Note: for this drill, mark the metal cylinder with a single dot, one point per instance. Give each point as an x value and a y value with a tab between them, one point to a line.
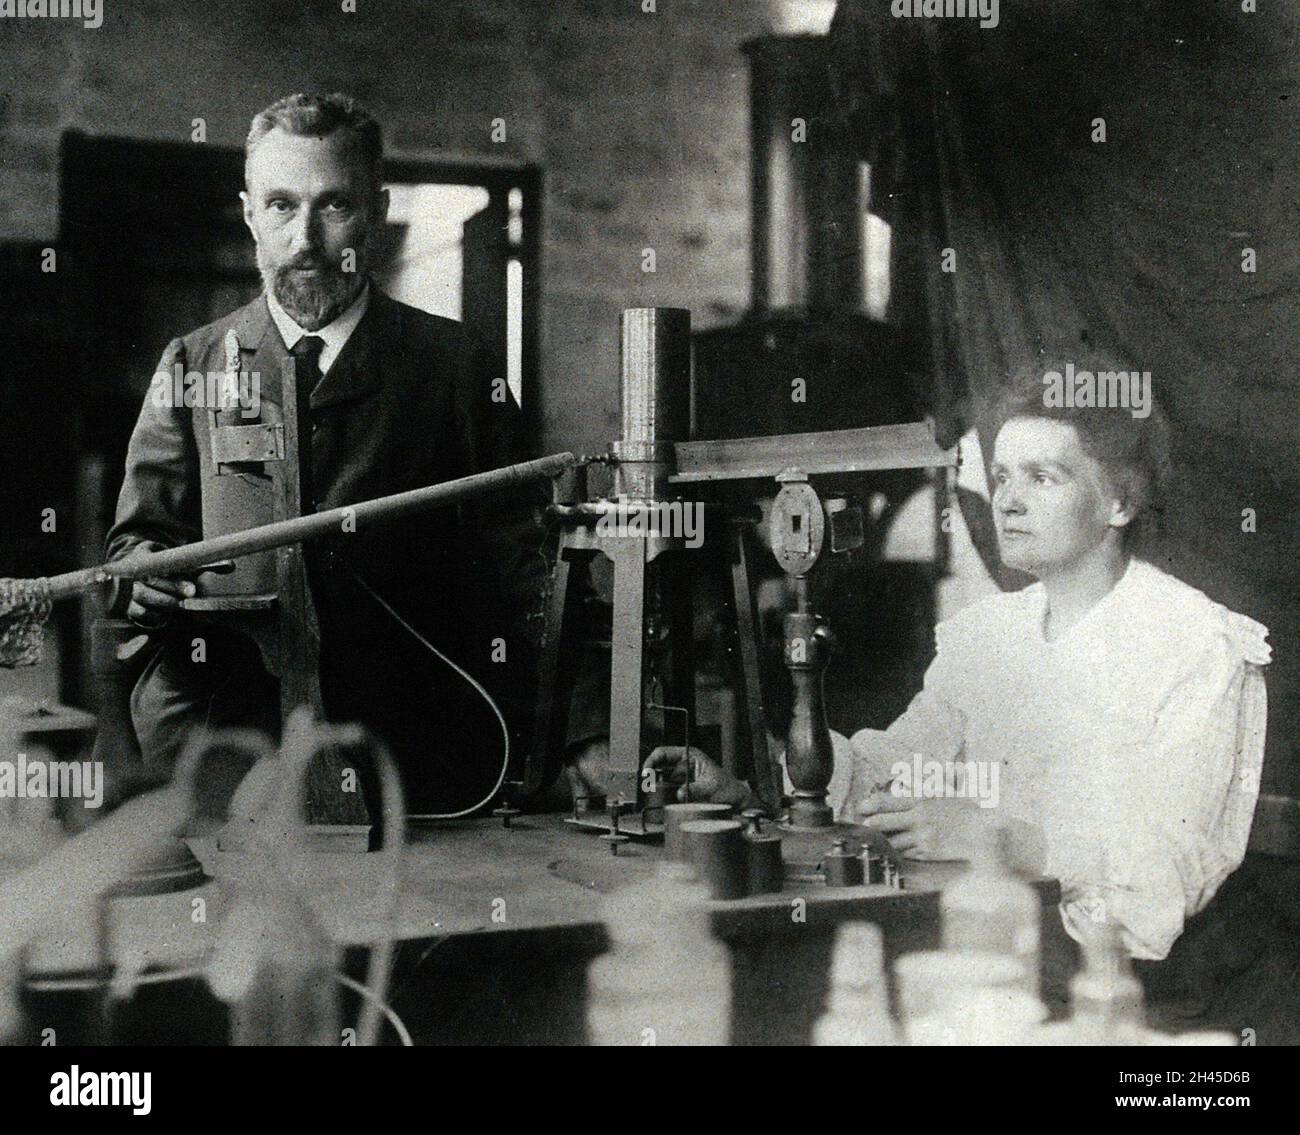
655	398
843	866
766	871
716	849
677	814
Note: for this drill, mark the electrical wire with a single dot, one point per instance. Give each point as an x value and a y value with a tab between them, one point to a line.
379	970
381	954
474	682
390	1015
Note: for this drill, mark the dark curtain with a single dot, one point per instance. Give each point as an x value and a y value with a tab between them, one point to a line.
982	141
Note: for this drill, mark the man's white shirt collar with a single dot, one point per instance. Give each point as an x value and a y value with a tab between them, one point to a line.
335	334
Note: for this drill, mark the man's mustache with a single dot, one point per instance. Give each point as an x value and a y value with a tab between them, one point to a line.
309	262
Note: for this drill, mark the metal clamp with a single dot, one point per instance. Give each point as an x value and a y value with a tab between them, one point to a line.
233	445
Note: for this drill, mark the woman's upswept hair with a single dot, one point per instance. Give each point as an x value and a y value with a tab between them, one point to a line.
1134	451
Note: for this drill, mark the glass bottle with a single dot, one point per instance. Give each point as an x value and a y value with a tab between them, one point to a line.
989	910
857	1005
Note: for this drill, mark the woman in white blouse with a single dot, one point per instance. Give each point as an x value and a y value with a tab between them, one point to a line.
1119	712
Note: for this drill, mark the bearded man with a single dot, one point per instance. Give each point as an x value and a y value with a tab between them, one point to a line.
396	402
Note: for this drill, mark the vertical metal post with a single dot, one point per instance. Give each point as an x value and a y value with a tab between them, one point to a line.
627	669
655	398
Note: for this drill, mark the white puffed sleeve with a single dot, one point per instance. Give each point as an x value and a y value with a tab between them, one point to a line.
1146	837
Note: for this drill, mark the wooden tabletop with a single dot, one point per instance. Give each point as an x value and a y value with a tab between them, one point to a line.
461	878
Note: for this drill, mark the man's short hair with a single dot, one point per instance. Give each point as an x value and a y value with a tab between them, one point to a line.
1133	451
318	116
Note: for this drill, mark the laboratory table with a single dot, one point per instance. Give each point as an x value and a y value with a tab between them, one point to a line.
496	927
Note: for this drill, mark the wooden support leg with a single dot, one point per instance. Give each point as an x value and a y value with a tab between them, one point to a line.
678	571
550	712
764	771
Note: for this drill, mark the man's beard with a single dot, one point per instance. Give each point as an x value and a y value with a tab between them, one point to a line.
312	302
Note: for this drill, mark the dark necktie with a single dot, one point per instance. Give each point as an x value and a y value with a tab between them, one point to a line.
307	373
306	353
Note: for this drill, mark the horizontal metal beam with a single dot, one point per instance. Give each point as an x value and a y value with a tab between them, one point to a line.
907	446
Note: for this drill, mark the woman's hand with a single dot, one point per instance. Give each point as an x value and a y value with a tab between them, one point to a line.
926	827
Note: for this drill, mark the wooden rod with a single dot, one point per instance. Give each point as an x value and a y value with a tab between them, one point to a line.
190	557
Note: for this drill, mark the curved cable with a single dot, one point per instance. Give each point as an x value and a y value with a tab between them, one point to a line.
474	682
382	1006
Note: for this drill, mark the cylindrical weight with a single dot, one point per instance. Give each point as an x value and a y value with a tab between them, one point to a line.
716	850
677	814
766	869
843	866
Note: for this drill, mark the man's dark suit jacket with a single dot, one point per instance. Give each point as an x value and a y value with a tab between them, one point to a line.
404	405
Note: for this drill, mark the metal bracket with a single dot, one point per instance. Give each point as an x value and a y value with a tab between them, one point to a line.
798	524
845	522
233	445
